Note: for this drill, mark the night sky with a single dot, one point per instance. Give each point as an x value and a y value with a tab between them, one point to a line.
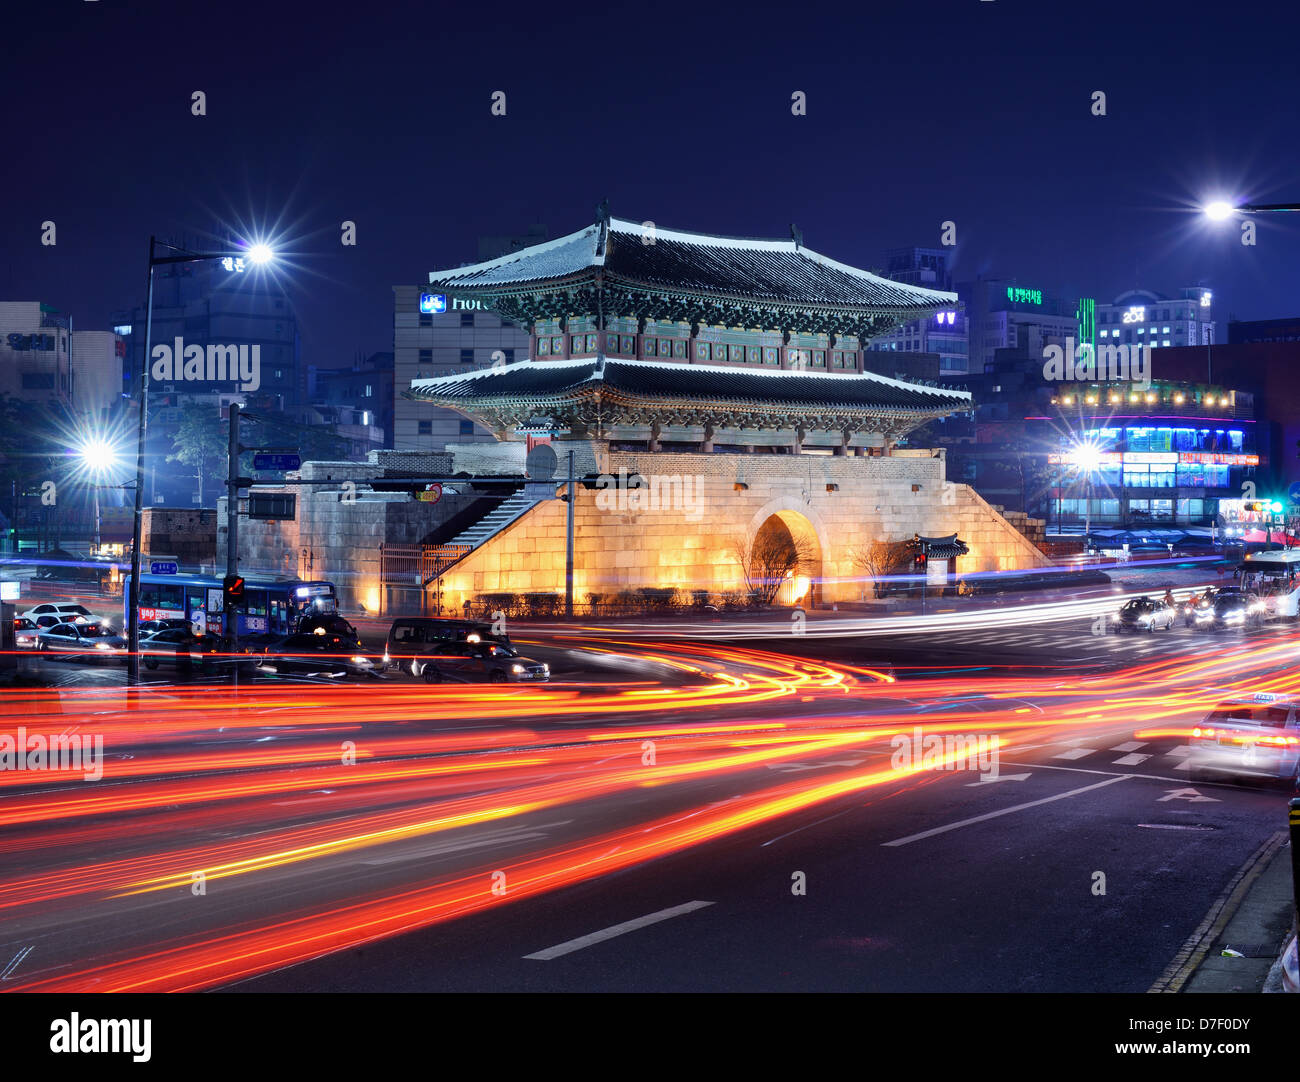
976	111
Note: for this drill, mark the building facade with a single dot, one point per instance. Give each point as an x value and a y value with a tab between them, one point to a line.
945	333
1141	317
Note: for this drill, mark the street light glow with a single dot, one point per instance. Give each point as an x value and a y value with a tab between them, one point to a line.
261	253
1218	210
98	454
1087	456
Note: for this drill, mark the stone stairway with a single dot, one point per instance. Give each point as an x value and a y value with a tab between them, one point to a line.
505	514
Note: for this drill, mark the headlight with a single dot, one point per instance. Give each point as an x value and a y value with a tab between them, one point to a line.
387	659
546	669
516	668
102	646
359	660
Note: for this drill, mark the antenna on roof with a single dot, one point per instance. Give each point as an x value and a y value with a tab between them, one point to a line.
796	234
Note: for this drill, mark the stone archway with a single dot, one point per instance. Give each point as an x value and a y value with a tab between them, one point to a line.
783	525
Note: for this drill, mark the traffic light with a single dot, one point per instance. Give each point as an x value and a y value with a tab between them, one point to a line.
232	586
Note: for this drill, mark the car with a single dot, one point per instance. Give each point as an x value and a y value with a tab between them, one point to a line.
494	662
323	654
60	610
177	646
94	641
1145	614
413	638
1255	738
148	627
25	633
1237	608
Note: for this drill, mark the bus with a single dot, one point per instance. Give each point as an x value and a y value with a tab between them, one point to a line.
1275	577
272	607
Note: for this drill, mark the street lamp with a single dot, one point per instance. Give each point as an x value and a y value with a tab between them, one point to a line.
98	457
259	253
1086	457
1219	210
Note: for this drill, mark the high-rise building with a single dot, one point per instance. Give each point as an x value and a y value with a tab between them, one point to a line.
439	334
1143	318
944	333
1003	314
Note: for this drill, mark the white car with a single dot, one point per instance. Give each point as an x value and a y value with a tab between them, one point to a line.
64	611
1254	738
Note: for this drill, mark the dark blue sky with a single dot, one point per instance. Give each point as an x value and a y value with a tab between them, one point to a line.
977	111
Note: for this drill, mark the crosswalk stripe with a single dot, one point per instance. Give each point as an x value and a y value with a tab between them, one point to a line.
1130	745
1074	753
1131	760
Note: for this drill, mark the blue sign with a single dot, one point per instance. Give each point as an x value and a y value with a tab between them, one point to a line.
276	462
1294	493
159	567
433	303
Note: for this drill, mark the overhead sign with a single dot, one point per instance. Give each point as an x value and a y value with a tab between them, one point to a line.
162	567
1293	493
276	462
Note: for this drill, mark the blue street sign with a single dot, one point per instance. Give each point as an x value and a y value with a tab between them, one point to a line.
161	567
276	462
1294	492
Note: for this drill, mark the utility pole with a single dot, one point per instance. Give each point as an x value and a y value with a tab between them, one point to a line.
568	552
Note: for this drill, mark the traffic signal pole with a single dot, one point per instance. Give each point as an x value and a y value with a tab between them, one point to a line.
231	616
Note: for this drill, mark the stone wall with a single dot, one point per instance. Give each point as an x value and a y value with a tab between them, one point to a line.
188	534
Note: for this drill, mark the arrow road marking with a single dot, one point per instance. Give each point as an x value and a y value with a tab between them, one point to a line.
1188	794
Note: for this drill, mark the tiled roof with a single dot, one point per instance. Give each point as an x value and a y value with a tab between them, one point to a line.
687	383
679	262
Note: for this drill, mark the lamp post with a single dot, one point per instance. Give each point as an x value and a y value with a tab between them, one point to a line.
257	253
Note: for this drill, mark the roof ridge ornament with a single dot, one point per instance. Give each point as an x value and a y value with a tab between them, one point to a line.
602	220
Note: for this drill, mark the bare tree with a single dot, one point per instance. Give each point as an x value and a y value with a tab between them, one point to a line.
768	558
879	559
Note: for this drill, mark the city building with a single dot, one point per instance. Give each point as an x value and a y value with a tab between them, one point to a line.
1003	314
364	390
35	364
945	333
436	334
1140	317
97	376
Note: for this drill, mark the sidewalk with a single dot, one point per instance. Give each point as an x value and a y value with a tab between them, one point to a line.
1253	919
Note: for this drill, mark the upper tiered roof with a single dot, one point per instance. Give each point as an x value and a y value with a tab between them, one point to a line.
622	267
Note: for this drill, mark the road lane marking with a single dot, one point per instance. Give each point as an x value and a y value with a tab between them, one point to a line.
611	932
1074	753
17	961
1004	811
1130	745
1131	760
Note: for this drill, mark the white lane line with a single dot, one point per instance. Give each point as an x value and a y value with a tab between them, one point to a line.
1181	750
1074	753
613	931
1130	760
807	826
17	961
1004	811
1130	745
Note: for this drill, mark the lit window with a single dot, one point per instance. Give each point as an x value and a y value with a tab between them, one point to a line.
1166	342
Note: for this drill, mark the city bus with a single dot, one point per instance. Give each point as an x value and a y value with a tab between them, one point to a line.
271	607
1275	577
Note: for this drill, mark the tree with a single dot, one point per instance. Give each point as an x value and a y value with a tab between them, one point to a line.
202	440
771	556
878	559
313	443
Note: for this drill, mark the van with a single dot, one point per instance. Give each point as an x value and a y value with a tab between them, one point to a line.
414	638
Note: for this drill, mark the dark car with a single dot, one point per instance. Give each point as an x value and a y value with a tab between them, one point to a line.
1237	608
1198	610
413	639
325	655
92	641
177	646
471	662
1145	614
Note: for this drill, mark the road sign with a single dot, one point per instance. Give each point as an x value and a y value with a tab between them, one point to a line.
162	567
277	462
1293	493
266	506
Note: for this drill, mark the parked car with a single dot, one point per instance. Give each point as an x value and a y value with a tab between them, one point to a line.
326	655
1145	614
25	633
148	627
414	638
1257	738
494	662
92	641
61	610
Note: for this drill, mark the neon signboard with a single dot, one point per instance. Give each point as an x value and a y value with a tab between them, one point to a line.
1017	295
432	303
1136	314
